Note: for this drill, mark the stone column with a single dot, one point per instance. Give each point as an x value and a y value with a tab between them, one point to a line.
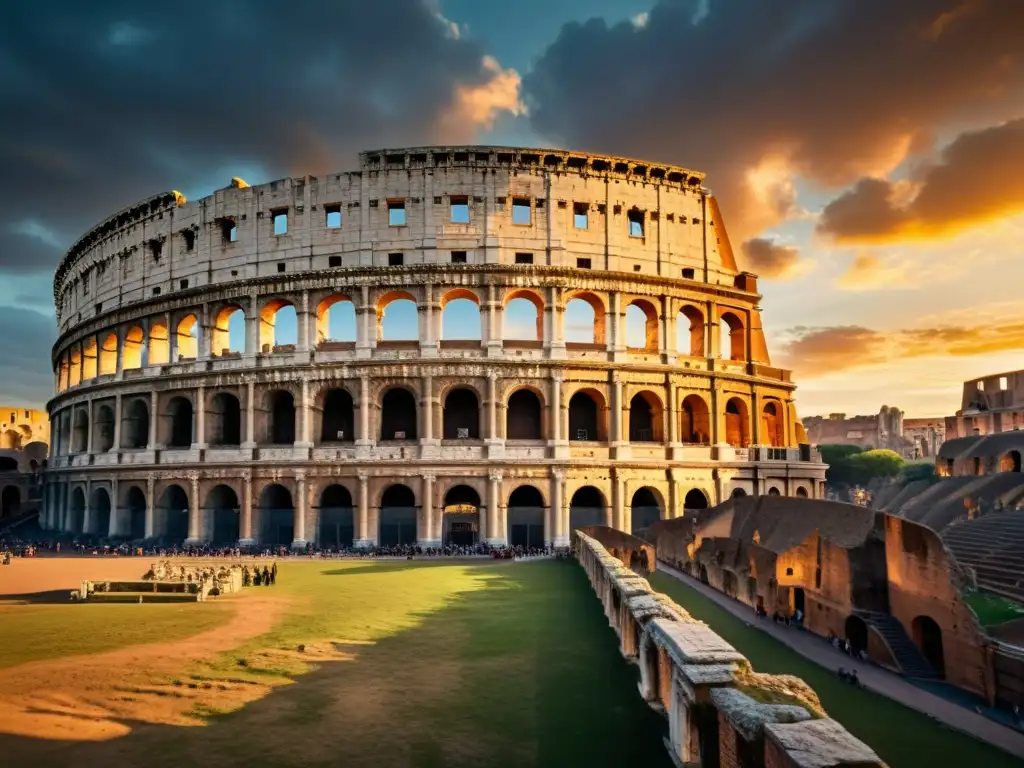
87	515
366	324
203	343
430	536
668	344
199	437
92	425
558	441
299	538
302	440
114	524
116	445
363	439
554	341
619	441
558	512
495	335
245	537
495	535
195	523
150	503
250	416
362	539
427	410
618	502
252	326
154	405
302	319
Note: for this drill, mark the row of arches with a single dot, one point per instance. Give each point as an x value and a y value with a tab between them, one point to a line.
277	326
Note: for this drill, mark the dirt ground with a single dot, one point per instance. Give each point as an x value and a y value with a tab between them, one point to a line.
95	697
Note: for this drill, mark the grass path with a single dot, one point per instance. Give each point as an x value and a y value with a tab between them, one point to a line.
903	737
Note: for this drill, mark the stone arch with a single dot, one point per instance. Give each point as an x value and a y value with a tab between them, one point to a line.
89	359
461	414
733	337
460	316
79	430
398	414
170	514
801	492
773	491
695	499
224	420
108	355
525	517
1010	462
461	515
99	512
281	417
132	348
178	417
397	518
159	347
135	424
335	518
690	331
738	493
222	512
587	506
220	332
641	326
10	501
133	512
587	415
694	420
855	630
76	521
103	429
737	423
772	424
928	638
647	506
646	417
584	308
338	419
336	319
276	515
387	324
523	309
270	314
524	414
186	338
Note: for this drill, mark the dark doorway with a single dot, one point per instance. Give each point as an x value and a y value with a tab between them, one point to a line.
277	516
646	511
928	637
173	508
583	421
588	507
103	438
10	501
179	411
99	513
336	529
77	511
461	517
222	507
695	499
524	416
397	514
526	517
398	415
282	418
641	420
799	600
135	506
225	419
461	415
135	425
338	425
856	632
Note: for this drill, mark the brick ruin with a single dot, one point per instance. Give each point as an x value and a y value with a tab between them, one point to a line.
720	712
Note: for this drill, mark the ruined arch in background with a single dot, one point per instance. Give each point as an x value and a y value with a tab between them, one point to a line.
394	309
133	348
526	513
107	365
733	337
927	636
135	424
99	512
524	415
584	318
772	424
646	417
694	421
224	420
398	414
461	411
587	506
220	332
695	499
690	331
103	429
587	416
523	316
276	515
737	423
271	335
170	515
178	416
461	319
336	518
90	361
186	338
397	518
335	313
223	515
159	351
280	417
338	419
641	326
647	506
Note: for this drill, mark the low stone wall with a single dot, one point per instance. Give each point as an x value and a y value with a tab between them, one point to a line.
632	551
212	579
720	712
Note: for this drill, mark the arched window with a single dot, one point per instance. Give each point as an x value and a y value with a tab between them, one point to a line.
584	319
524	416
461	415
586	416
397	317
695	499
103	436
89	359
695	421
159	346
398	415
771	425
336	526
645	418
733	338
525	515
224	420
134	345
135	424
338	423
523	317
279	327
186	338
737	423
227	337
223	510
588	506
99	513
80	431
170	515
277	516
75	370
645	510
179	416
460	316
335	320
690	332
108	355
397	515
642	326
282	418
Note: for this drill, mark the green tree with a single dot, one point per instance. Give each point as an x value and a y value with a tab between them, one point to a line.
918	470
840	470
881	462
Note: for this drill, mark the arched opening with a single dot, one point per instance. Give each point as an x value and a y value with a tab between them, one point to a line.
773	491
856	631
103	434
703	574
62	373
737	424
584	319
227	336
159	352
335	320
695	499
186	338
10	440
651	672
461	516
108	355
10	501
397	317
645	418
277	516
135	424
523	318
8	463
89	360
928	638
738	493
171	515
223	513
586	409
771	425
132	349
587	507
642	327
79	431
524	418
99	513
646	511
179	416
398	415
135	511
461	417
690	332
339	417
694	421
224	420
1010	462
76	524
801	492
336	527
460	316
75	369
278	326
526	518
281	430
397	517
733	337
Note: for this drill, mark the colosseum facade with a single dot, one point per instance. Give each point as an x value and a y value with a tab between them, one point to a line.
634	383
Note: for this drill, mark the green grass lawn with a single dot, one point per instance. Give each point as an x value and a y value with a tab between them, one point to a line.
902	737
993	610
38	632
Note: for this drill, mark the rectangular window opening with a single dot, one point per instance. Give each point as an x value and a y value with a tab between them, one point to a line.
459	210
234	273
189	236
636	267
579	215
99	307
521	210
583	263
156	291
458	257
334	261
524	258
182	284
396	259
156	248
280	222
228	231
332	214
396	213
280	266
688	273
636	223
1002	383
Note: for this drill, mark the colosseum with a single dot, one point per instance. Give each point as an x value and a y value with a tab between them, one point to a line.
450	344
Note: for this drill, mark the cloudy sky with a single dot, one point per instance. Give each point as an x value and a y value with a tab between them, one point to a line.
868	155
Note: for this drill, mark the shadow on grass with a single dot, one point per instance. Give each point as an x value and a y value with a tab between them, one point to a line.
51	596
523	671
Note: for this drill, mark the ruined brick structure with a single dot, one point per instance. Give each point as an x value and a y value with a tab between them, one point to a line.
166	423
989	405
24	434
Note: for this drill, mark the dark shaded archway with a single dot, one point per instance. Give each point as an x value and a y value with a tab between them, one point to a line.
171	523
526	518
79	431
10	501
645	510
695	499
1010	462
225	420
644	418
135	425
801	492
76	523
282	418
277	516
738	493
99	513
339	418
928	638
398	415
179	414
135	512
223	513
336	525
461	524
584	417
773	491
461	418
103	429
694	421
524	416
587	507
397	524
856	631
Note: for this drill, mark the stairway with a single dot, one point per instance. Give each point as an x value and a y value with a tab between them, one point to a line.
7	528
911	661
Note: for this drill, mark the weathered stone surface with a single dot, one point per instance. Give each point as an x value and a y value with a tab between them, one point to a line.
690	643
820	744
749	716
